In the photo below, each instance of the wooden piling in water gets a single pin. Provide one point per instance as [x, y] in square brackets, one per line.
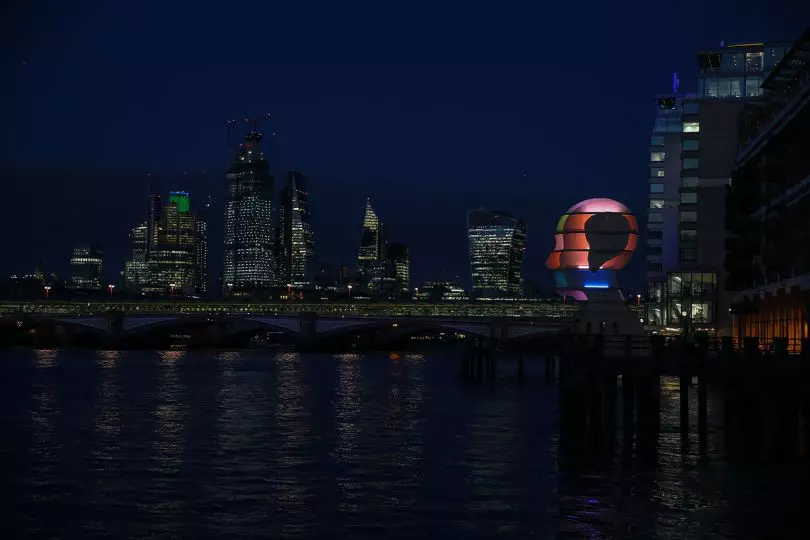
[520, 368]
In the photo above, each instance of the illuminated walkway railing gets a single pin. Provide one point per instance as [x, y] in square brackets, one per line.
[545, 310]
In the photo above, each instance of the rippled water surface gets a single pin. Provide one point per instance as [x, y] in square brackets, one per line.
[258, 444]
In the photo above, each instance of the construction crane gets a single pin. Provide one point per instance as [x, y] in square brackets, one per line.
[253, 121]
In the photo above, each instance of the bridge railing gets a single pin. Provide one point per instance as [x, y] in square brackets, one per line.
[538, 310]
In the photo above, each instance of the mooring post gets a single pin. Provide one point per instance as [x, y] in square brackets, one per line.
[628, 407]
[520, 368]
[684, 399]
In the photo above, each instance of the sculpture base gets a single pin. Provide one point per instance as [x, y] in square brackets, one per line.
[608, 315]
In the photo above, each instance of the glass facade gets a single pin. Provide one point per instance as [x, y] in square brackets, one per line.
[86, 267]
[682, 298]
[371, 242]
[399, 255]
[497, 242]
[249, 250]
[170, 250]
[296, 237]
[737, 71]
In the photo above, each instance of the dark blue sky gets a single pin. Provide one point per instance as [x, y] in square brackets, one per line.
[431, 109]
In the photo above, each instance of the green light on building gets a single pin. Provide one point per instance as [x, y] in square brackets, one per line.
[180, 198]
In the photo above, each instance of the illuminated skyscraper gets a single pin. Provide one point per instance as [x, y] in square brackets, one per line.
[399, 255]
[371, 241]
[86, 266]
[249, 255]
[497, 241]
[296, 239]
[169, 250]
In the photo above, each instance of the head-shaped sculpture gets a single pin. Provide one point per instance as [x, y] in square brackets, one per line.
[593, 239]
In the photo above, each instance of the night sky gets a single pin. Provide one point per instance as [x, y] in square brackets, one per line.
[430, 109]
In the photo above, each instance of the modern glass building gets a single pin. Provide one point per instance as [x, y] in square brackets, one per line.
[169, 254]
[86, 267]
[399, 255]
[371, 246]
[497, 241]
[664, 183]
[768, 204]
[296, 238]
[249, 254]
[686, 277]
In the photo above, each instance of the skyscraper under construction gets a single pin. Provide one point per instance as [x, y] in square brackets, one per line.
[249, 255]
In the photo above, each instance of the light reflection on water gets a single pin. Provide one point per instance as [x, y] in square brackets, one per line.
[252, 444]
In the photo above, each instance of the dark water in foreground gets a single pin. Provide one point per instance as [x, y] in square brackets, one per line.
[254, 444]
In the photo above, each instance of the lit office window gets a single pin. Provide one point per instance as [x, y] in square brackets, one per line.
[656, 140]
[689, 197]
[752, 86]
[690, 145]
[753, 61]
[688, 235]
[656, 172]
[656, 188]
[690, 181]
[689, 216]
[712, 88]
[658, 156]
[691, 127]
[656, 203]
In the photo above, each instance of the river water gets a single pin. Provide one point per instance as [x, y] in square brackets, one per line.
[262, 444]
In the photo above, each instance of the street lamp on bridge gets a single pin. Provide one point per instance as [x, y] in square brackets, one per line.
[289, 291]
[47, 291]
[111, 286]
[350, 292]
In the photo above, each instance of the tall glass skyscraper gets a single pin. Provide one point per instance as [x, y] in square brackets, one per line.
[371, 242]
[497, 241]
[169, 252]
[296, 239]
[399, 255]
[249, 255]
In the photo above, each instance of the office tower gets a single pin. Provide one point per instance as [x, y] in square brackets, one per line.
[399, 255]
[176, 252]
[767, 207]
[153, 209]
[296, 239]
[169, 250]
[497, 241]
[371, 241]
[86, 266]
[249, 254]
[662, 216]
[201, 252]
[691, 295]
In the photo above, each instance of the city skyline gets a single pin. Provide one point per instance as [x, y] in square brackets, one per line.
[363, 136]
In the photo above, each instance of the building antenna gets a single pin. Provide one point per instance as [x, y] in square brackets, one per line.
[231, 127]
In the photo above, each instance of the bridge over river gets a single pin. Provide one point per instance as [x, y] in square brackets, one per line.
[304, 323]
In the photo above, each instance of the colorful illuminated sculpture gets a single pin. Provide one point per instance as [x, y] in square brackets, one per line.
[594, 238]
